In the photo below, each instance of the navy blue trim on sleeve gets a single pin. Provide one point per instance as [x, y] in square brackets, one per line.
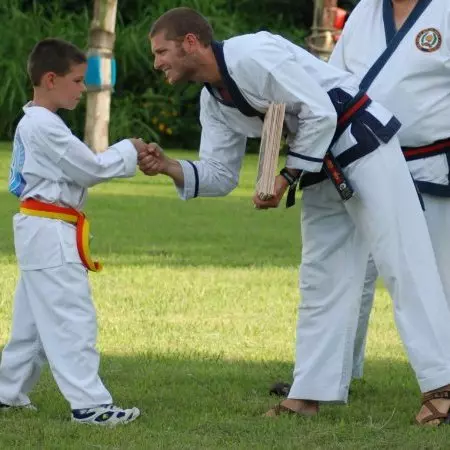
[306, 158]
[196, 178]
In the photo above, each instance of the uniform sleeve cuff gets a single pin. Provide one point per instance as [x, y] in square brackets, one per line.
[129, 155]
[300, 161]
[191, 180]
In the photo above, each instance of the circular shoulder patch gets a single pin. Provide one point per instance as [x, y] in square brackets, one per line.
[429, 40]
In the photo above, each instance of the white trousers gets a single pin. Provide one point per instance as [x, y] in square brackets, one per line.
[437, 215]
[385, 219]
[54, 318]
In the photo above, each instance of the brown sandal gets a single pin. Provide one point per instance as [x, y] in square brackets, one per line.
[280, 409]
[444, 418]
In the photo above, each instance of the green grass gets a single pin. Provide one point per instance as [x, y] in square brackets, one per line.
[197, 308]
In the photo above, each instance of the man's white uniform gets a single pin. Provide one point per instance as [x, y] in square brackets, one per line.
[385, 216]
[54, 316]
[414, 84]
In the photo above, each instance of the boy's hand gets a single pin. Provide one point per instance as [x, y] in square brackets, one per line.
[152, 160]
[139, 144]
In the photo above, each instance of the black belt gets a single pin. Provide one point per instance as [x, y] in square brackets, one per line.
[426, 151]
[332, 168]
[410, 153]
[366, 129]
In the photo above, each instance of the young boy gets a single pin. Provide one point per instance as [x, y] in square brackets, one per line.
[54, 317]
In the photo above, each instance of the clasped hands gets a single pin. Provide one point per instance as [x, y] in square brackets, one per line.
[150, 157]
[152, 161]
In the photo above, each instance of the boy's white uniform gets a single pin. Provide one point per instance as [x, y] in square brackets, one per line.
[414, 84]
[53, 311]
[386, 214]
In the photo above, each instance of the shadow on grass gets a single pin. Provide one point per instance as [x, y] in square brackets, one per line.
[138, 229]
[199, 402]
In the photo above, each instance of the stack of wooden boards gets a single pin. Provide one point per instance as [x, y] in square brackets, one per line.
[269, 150]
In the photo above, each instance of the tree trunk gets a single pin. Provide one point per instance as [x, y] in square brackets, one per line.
[100, 76]
[321, 41]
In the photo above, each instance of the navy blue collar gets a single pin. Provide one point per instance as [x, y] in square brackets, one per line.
[388, 19]
[390, 29]
[393, 41]
[239, 100]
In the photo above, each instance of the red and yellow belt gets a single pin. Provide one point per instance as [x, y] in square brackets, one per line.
[32, 207]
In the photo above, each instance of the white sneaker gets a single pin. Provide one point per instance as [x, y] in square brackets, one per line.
[105, 415]
[5, 407]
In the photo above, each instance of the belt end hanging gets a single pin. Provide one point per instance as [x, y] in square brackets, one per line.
[293, 183]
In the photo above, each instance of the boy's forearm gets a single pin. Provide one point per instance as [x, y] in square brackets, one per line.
[87, 169]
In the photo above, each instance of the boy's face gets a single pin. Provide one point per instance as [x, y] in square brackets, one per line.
[66, 90]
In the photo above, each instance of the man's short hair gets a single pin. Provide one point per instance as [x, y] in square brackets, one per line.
[53, 55]
[178, 22]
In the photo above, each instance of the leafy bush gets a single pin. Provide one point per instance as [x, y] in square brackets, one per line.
[15, 89]
[142, 103]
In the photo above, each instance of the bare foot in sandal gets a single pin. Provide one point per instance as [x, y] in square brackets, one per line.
[294, 406]
[435, 407]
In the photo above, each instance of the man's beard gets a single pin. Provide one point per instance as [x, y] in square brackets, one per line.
[187, 69]
[187, 75]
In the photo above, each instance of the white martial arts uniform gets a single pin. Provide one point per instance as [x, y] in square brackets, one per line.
[385, 215]
[414, 84]
[54, 316]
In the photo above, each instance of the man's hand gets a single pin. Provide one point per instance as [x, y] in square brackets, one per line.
[152, 160]
[280, 188]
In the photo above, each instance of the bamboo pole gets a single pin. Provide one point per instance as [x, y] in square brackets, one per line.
[321, 42]
[100, 75]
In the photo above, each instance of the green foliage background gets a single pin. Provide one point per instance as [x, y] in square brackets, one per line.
[143, 104]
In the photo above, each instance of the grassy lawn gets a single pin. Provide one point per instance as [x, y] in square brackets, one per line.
[197, 308]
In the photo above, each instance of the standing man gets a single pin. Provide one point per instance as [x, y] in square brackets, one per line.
[241, 77]
[414, 84]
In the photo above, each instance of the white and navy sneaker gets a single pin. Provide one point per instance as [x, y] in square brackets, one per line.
[29, 406]
[105, 415]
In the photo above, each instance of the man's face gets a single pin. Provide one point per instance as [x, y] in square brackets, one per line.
[66, 90]
[172, 59]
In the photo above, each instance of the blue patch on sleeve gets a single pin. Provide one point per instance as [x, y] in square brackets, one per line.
[17, 183]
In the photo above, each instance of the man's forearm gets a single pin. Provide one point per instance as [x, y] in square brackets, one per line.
[175, 171]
